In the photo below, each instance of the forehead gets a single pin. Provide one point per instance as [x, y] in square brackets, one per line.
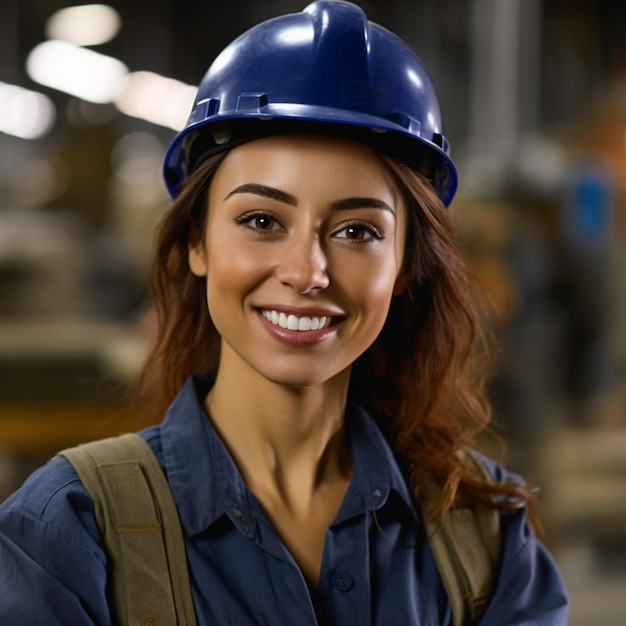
[308, 163]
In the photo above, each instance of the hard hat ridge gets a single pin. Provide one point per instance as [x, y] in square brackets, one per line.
[325, 70]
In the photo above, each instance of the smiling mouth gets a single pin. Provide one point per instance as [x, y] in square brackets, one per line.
[292, 322]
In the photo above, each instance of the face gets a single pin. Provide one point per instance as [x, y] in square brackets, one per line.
[302, 252]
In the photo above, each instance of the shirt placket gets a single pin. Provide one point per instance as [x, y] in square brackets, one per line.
[294, 601]
[345, 576]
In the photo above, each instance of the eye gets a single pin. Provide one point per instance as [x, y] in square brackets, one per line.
[259, 221]
[358, 232]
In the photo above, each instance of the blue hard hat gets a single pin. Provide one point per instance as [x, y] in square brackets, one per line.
[325, 70]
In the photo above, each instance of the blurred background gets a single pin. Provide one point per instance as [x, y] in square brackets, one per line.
[534, 99]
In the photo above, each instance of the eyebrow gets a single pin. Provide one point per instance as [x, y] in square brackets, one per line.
[265, 191]
[282, 196]
[362, 203]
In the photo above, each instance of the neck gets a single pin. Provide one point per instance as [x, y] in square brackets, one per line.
[287, 442]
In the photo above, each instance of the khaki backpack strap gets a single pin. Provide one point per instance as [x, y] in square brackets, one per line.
[139, 523]
[466, 545]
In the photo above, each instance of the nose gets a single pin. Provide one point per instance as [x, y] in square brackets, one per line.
[303, 265]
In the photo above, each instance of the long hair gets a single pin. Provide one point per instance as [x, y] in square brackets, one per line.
[186, 340]
[423, 378]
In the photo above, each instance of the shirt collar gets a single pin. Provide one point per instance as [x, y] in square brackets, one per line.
[204, 480]
[206, 483]
[376, 471]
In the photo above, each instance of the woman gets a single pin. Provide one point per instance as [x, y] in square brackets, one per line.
[309, 263]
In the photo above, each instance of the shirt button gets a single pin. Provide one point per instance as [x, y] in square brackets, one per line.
[344, 582]
[377, 493]
[237, 511]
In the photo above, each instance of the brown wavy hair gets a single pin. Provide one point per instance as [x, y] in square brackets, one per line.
[423, 378]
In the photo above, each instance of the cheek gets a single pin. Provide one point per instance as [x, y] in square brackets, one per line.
[233, 255]
[369, 286]
[380, 295]
[231, 272]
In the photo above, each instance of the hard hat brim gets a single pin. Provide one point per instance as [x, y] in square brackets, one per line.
[198, 141]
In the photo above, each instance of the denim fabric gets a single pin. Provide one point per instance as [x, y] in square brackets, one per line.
[377, 567]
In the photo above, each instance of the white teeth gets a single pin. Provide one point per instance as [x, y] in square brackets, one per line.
[292, 322]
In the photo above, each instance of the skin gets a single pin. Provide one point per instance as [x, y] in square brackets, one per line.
[313, 227]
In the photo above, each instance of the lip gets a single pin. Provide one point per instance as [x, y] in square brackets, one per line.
[298, 338]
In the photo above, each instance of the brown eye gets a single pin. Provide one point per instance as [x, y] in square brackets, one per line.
[355, 232]
[358, 232]
[263, 222]
[259, 222]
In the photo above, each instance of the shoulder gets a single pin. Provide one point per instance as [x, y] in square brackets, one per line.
[53, 562]
[529, 587]
[53, 495]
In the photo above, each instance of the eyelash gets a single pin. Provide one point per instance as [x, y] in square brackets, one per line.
[244, 221]
[368, 228]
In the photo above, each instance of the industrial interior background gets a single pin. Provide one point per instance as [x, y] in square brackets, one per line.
[534, 99]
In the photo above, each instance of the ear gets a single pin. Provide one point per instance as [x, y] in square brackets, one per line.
[197, 258]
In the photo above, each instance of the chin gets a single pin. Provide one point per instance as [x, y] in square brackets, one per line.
[296, 378]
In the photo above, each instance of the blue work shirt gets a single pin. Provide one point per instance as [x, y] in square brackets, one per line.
[377, 566]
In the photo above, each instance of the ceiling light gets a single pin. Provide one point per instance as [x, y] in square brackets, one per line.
[85, 25]
[77, 71]
[24, 113]
[156, 99]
